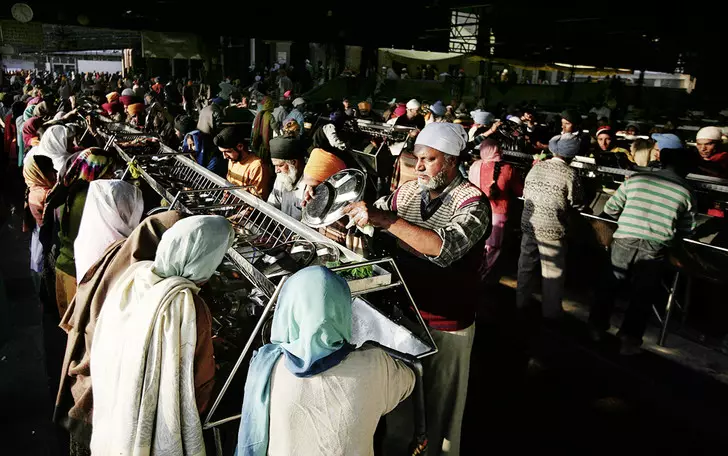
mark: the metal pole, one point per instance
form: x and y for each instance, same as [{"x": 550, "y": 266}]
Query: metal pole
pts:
[
  {"x": 256, "y": 330},
  {"x": 668, "y": 310}
]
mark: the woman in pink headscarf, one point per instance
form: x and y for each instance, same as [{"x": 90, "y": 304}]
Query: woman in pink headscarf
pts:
[{"x": 500, "y": 182}]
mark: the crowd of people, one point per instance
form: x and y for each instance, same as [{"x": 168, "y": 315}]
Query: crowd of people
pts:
[{"x": 139, "y": 366}]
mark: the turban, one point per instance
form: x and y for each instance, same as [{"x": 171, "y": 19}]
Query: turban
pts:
[
  {"x": 287, "y": 94},
  {"x": 482, "y": 117},
  {"x": 113, "y": 96},
  {"x": 135, "y": 108},
  {"x": 298, "y": 102},
  {"x": 365, "y": 106},
  {"x": 286, "y": 148},
  {"x": 185, "y": 124},
  {"x": 437, "y": 108},
  {"x": 399, "y": 111},
  {"x": 321, "y": 165},
  {"x": 413, "y": 104},
  {"x": 667, "y": 141},
  {"x": 566, "y": 145},
  {"x": 448, "y": 138},
  {"x": 127, "y": 93},
  {"x": 712, "y": 133}
]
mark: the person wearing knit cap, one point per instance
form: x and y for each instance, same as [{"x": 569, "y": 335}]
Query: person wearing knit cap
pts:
[
  {"x": 244, "y": 167},
  {"x": 551, "y": 191},
  {"x": 438, "y": 112},
  {"x": 570, "y": 121},
  {"x": 287, "y": 156},
  {"x": 441, "y": 222},
  {"x": 714, "y": 159},
  {"x": 666, "y": 141},
  {"x": 413, "y": 118}
]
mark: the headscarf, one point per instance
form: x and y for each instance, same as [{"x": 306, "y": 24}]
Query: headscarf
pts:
[
  {"x": 448, "y": 138},
  {"x": 113, "y": 209},
  {"x": 321, "y": 165},
  {"x": 202, "y": 153},
  {"x": 311, "y": 330},
  {"x": 399, "y": 111},
  {"x": 30, "y": 130},
  {"x": 40, "y": 180},
  {"x": 193, "y": 248},
  {"x": 262, "y": 131},
  {"x": 490, "y": 151},
  {"x": 54, "y": 145}
]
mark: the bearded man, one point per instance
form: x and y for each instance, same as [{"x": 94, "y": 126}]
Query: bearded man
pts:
[
  {"x": 287, "y": 156},
  {"x": 441, "y": 222}
]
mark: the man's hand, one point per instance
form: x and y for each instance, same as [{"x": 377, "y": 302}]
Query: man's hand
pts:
[
  {"x": 492, "y": 129},
  {"x": 363, "y": 215},
  {"x": 307, "y": 195}
]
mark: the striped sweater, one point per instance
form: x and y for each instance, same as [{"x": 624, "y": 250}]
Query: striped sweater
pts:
[{"x": 653, "y": 207}]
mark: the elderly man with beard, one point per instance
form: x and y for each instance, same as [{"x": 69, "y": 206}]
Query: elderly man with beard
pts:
[
  {"x": 287, "y": 156},
  {"x": 440, "y": 222}
]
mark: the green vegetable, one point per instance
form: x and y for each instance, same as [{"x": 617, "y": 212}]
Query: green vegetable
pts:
[{"x": 363, "y": 272}]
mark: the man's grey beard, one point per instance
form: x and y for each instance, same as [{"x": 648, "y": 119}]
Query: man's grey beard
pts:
[
  {"x": 438, "y": 182},
  {"x": 288, "y": 179}
]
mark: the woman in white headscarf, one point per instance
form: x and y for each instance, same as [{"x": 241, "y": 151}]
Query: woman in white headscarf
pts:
[
  {"x": 113, "y": 209},
  {"x": 145, "y": 353},
  {"x": 54, "y": 145}
]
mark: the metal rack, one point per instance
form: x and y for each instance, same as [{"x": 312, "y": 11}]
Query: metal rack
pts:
[{"x": 261, "y": 228}]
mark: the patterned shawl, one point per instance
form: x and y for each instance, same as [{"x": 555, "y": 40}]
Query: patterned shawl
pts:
[{"x": 262, "y": 131}]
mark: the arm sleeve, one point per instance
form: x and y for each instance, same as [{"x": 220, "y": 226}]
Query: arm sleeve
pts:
[
  {"x": 467, "y": 227},
  {"x": 400, "y": 381},
  {"x": 686, "y": 223},
  {"x": 615, "y": 205},
  {"x": 274, "y": 199},
  {"x": 330, "y": 132},
  {"x": 259, "y": 178}
]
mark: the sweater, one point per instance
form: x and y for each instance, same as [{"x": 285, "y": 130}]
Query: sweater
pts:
[
  {"x": 653, "y": 207},
  {"x": 551, "y": 189}
]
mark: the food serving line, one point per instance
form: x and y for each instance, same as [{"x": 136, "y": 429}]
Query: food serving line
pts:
[{"x": 269, "y": 246}]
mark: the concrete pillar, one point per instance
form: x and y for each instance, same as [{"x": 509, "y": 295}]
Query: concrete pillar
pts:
[{"x": 252, "y": 51}]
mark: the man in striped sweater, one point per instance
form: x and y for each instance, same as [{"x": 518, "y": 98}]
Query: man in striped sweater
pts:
[{"x": 653, "y": 209}]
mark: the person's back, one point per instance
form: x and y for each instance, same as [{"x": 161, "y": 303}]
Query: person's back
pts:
[
  {"x": 653, "y": 206},
  {"x": 550, "y": 190},
  {"x": 335, "y": 412}
]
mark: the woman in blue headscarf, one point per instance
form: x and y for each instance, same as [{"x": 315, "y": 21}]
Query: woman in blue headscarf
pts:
[
  {"x": 205, "y": 152},
  {"x": 309, "y": 387}
]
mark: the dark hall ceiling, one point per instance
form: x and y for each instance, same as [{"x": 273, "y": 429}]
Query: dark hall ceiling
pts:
[{"x": 633, "y": 35}]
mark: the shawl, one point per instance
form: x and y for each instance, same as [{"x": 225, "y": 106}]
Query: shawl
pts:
[
  {"x": 40, "y": 180},
  {"x": 262, "y": 130},
  {"x": 144, "y": 347},
  {"x": 74, "y": 402}
]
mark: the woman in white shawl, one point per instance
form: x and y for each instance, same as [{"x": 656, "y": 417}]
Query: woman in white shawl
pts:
[
  {"x": 54, "y": 144},
  {"x": 143, "y": 351},
  {"x": 113, "y": 209}
]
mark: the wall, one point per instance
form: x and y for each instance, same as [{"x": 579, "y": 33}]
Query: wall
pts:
[
  {"x": 17, "y": 64},
  {"x": 103, "y": 66}
]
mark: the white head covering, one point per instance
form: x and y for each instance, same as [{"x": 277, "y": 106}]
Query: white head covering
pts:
[
  {"x": 481, "y": 117},
  {"x": 712, "y": 133},
  {"x": 413, "y": 104},
  {"x": 193, "y": 248},
  {"x": 298, "y": 102},
  {"x": 54, "y": 145},
  {"x": 127, "y": 93},
  {"x": 448, "y": 138},
  {"x": 113, "y": 209}
]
